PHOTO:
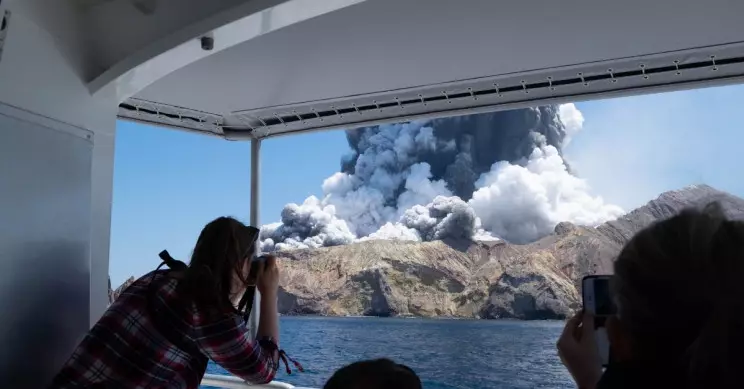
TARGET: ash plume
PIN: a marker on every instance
(494, 175)
(457, 149)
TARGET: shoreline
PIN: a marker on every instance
(432, 318)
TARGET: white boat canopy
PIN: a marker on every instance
(252, 69)
(360, 62)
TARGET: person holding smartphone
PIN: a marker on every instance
(678, 319)
(164, 328)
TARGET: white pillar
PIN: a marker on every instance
(255, 180)
(255, 220)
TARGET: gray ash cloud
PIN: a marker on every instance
(461, 148)
(497, 174)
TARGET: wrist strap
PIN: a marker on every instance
(268, 343)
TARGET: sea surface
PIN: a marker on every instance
(448, 354)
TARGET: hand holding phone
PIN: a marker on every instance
(595, 292)
(577, 349)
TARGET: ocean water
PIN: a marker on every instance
(446, 354)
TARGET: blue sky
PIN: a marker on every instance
(168, 184)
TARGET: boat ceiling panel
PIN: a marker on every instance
(452, 57)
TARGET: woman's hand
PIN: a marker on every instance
(577, 349)
(268, 276)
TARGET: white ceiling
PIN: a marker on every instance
(87, 4)
(380, 49)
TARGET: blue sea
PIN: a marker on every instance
(447, 354)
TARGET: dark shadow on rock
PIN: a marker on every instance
(379, 304)
(291, 304)
(459, 244)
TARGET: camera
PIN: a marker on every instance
(255, 262)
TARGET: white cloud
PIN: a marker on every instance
(572, 119)
(523, 203)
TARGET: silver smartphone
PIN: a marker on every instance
(595, 292)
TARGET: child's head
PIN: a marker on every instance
(374, 374)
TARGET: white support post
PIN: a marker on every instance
(255, 220)
(255, 180)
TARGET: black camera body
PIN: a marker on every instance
(255, 262)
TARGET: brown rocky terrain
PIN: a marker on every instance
(445, 279)
(465, 279)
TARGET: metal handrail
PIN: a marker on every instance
(230, 382)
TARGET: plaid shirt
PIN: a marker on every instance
(125, 349)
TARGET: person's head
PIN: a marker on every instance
(679, 290)
(220, 263)
(374, 374)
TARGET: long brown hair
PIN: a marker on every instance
(219, 255)
(679, 285)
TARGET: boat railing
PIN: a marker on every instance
(231, 382)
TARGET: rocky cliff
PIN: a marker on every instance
(539, 280)
(114, 294)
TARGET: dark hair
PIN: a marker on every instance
(219, 255)
(374, 374)
(679, 285)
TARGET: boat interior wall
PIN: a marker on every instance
(38, 75)
(45, 225)
(380, 50)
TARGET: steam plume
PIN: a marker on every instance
(470, 177)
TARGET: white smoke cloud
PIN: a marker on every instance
(363, 208)
(367, 199)
(394, 231)
(523, 203)
(424, 181)
(572, 120)
(419, 187)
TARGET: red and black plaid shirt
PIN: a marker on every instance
(128, 349)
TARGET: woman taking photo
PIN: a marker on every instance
(164, 328)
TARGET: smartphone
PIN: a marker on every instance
(595, 291)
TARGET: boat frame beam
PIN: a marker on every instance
(255, 220)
